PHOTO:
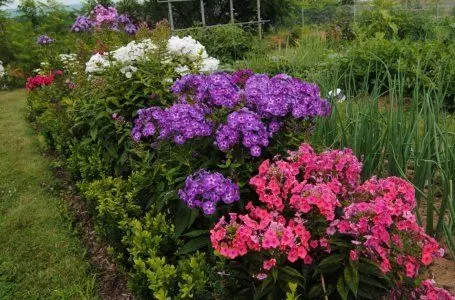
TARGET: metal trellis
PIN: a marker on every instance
(259, 21)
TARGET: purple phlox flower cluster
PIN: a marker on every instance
(180, 122)
(255, 105)
(190, 88)
(143, 124)
(283, 94)
(216, 89)
(44, 40)
(81, 24)
(307, 100)
(185, 121)
(222, 91)
(130, 28)
(128, 25)
(104, 16)
(241, 76)
(205, 189)
(243, 126)
(124, 19)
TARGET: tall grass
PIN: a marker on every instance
(399, 134)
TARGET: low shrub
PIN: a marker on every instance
(228, 42)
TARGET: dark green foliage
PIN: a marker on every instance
(227, 43)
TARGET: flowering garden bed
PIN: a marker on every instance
(203, 181)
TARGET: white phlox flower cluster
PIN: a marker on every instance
(133, 51)
(187, 50)
(128, 71)
(124, 57)
(69, 62)
(97, 63)
(185, 54)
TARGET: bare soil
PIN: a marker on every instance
(111, 278)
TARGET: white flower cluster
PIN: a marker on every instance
(2, 70)
(123, 57)
(187, 50)
(185, 54)
(69, 62)
(133, 51)
(68, 58)
(97, 63)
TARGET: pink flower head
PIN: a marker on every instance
(269, 264)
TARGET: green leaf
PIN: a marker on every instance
(193, 216)
(194, 245)
(366, 280)
(351, 277)
(368, 294)
(195, 233)
(182, 218)
(93, 133)
(342, 289)
(315, 292)
(329, 265)
(274, 275)
(291, 271)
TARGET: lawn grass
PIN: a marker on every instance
(40, 255)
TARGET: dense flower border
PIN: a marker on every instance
(311, 198)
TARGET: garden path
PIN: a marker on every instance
(41, 257)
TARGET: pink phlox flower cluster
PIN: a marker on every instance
(265, 231)
(428, 291)
(385, 227)
(425, 291)
(41, 80)
(375, 216)
(306, 180)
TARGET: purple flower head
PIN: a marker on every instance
(144, 125)
(130, 28)
(81, 24)
(185, 122)
(282, 94)
(270, 97)
(241, 76)
(243, 126)
(205, 189)
(307, 101)
(190, 88)
(179, 122)
(124, 19)
(273, 127)
(44, 40)
(222, 91)
(104, 15)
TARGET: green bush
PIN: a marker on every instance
(227, 42)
